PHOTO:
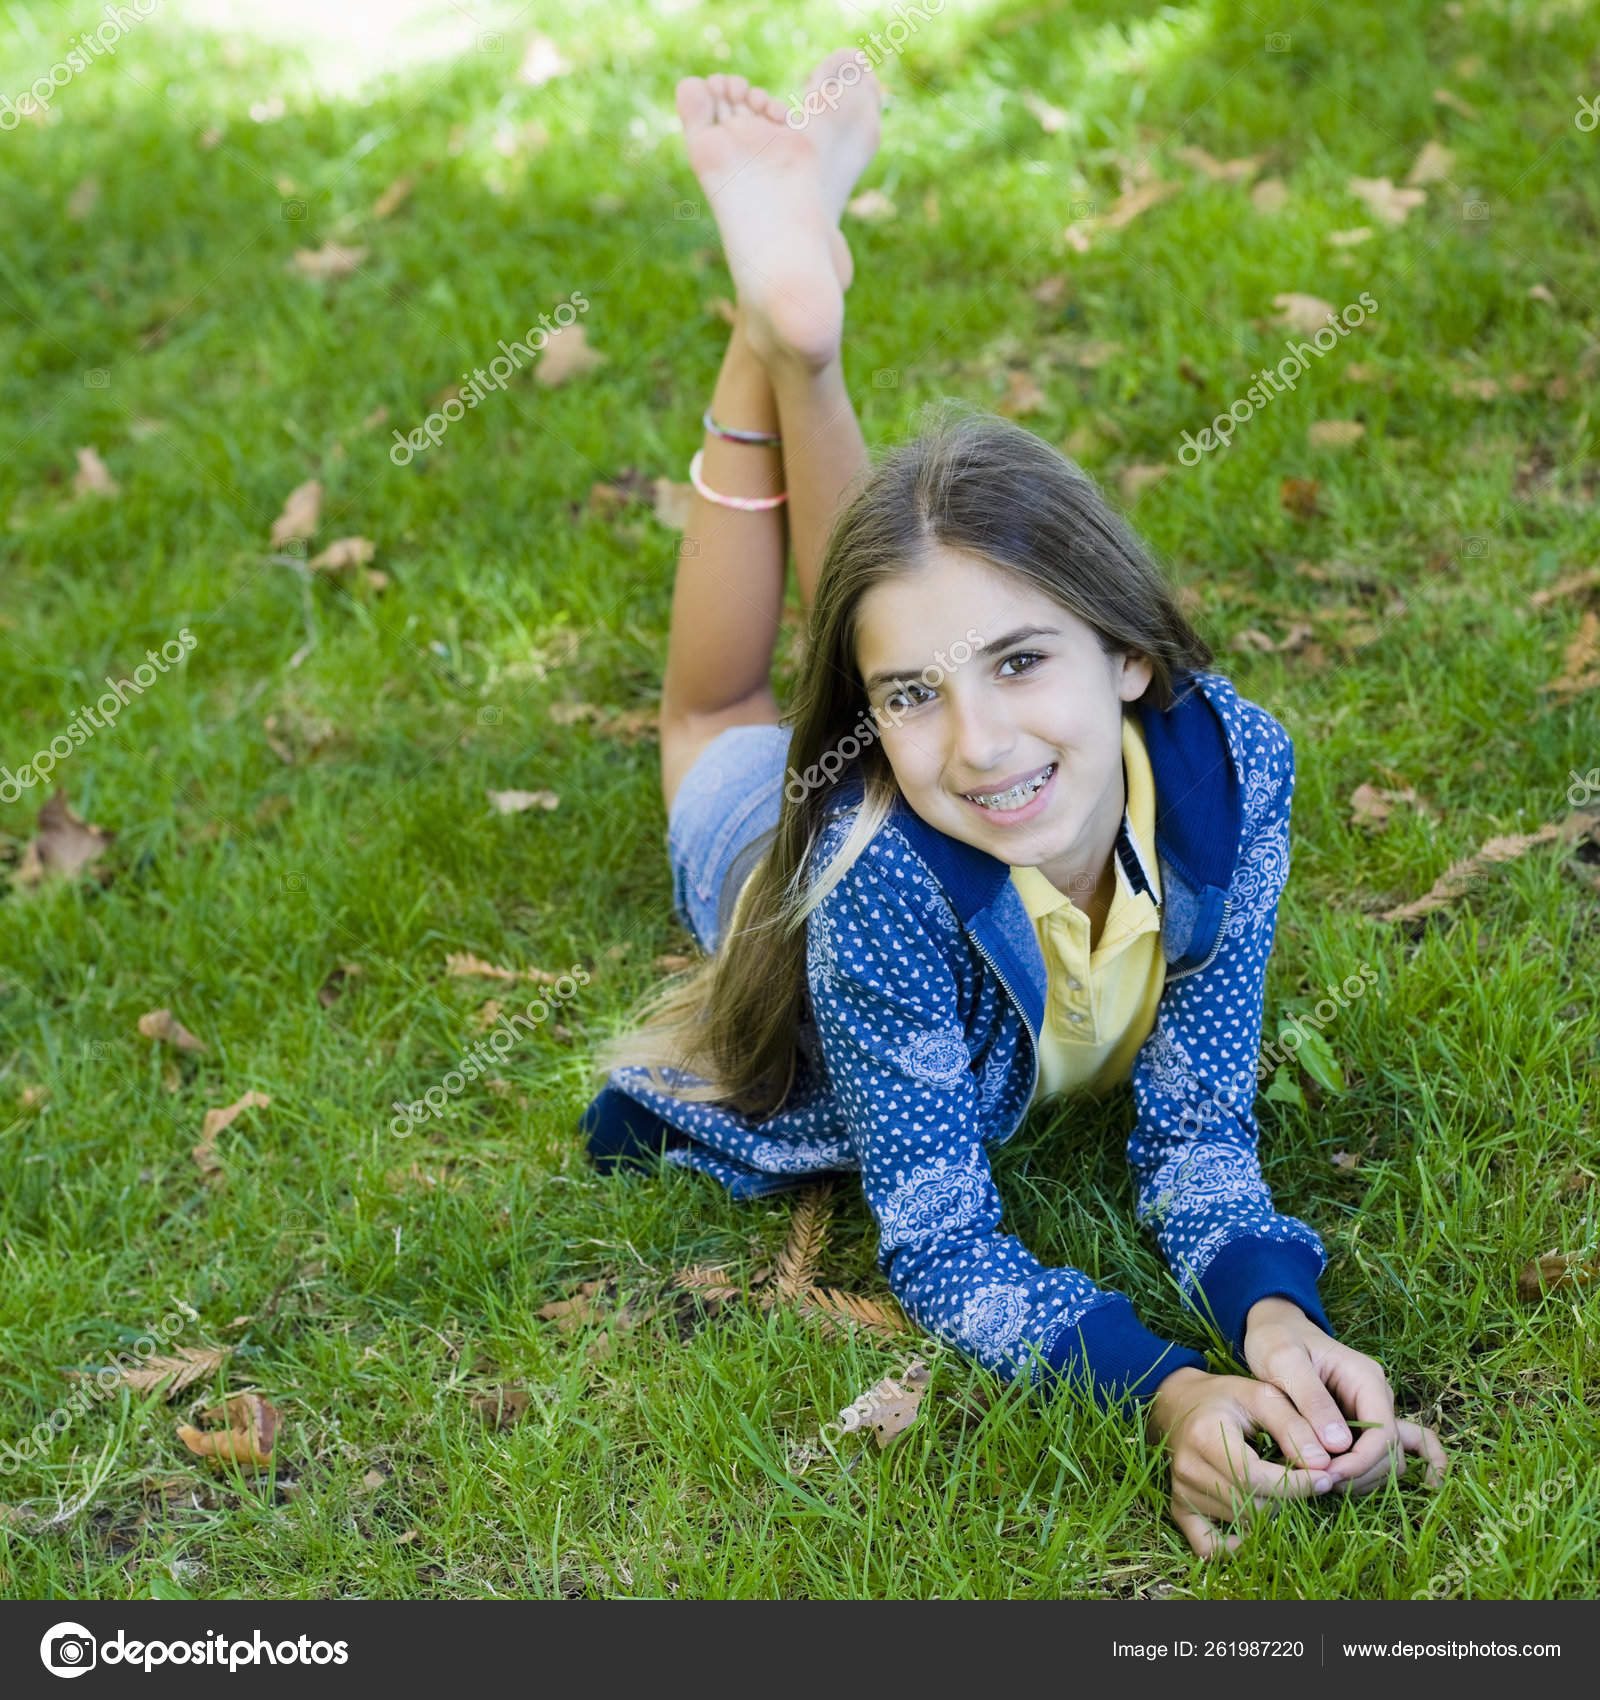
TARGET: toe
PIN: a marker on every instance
(738, 87)
(759, 100)
(696, 106)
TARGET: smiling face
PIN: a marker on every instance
(1036, 699)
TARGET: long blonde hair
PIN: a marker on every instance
(970, 481)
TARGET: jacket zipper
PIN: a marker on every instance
(1222, 933)
(1034, 1083)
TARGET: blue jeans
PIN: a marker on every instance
(722, 819)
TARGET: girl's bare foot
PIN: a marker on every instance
(777, 192)
(847, 129)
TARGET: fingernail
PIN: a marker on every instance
(1336, 1434)
(1323, 1483)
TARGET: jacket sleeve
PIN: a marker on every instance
(1193, 1146)
(885, 1000)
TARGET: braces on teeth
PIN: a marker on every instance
(1016, 795)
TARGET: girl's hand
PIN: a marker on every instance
(1217, 1475)
(1285, 1348)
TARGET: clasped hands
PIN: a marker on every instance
(1306, 1392)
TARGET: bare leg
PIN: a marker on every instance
(777, 194)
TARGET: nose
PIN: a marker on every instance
(981, 737)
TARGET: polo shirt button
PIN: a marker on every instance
(1074, 985)
(1076, 1015)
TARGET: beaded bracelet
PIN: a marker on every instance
(749, 504)
(739, 436)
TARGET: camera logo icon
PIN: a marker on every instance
(67, 1649)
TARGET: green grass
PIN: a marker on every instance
(378, 1304)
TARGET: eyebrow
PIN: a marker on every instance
(895, 676)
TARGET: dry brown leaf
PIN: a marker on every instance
(1303, 314)
(1128, 207)
(393, 198)
(1335, 433)
(162, 1026)
(1553, 1272)
(1580, 653)
(487, 1014)
(1023, 396)
(65, 843)
(1371, 805)
(1433, 165)
(1051, 118)
(1569, 585)
(1459, 876)
(567, 354)
(796, 1268)
(216, 1121)
(298, 521)
(343, 552)
(1269, 196)
(1298, 496)
(373, 1480)
(187, 1364)
(1448, 97)
(329, 261)
(1050, 291)
(171, 1078)
(501, 1407)
(888, 1407)
(1221, 170)
(1132, 481)
(253, 1429)
(1093, 352)
(673, 503)
(1345, 1160)
(709, 1281)
(1384, 201)
(1539, 292)
(463, 965)
(873, 205)
(82, 201)
(836, 1309)
(541, 62)
(1481, 389)
(93, 477)
(516, 802)
(1349, 238)
(671, 963)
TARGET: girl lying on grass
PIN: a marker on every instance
(1015, 842)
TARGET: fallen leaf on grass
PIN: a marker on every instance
(1448, 97)
(1133, 481)
(393, 198)
(1433, 165)
(1345, 1160)
(1335, 433)
(487, 1015)
(1371, 805)
(329, 261)
(1460, 875)
(673, 503)
(1553, 1272)
(186, 1365)
(672, 963)
(501, 1407)
(888, 1407)
(1023, 396)
(1270, 195)
(838, 1310)
(1221, 170)
(216, 1121)
(516, 802)
(1303, 313)
(82, 201)
(341, 553)
(1349, 238)
(253, 1428)
(463, 965)
(1391, 205)
(710, 1282)
(1539, 292)
(65, 844)
(1580, 653)
(298, 521)
(567, 354)
(93, 477)
(1298, 496)
(797, 1264)
(162, 1026)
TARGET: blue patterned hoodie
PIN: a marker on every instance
(927, 992)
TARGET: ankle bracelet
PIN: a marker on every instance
(739, 436)
(748, 504)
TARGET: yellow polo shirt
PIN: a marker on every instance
(1101, 1005)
